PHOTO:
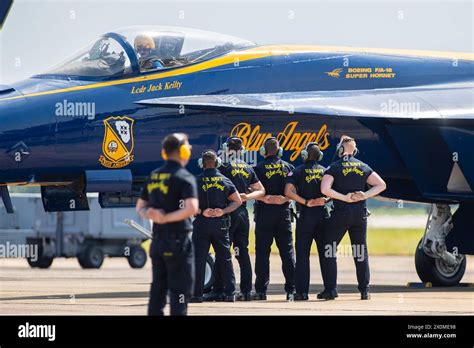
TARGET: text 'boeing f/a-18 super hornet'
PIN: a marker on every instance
(95, 122)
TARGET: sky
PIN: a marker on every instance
(38, 33)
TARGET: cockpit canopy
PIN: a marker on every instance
(143, 49)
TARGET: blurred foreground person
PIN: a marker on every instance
(169, 199)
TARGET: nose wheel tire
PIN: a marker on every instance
(436, 271)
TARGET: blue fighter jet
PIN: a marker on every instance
(94, 123)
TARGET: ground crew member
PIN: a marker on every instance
(218, 197)
(303, 186)
(169, 199)
(272, 220)
(249, 187)
(345, 181)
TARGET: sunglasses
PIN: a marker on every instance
(143, 49)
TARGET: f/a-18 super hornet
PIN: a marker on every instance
(95, 122)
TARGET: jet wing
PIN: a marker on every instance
(436, 101)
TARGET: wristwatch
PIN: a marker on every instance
(305, 202)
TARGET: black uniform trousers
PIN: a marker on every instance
(173, 270)
(239, 238)
(309, 227)
(273, 222)
(352, 218)
(215, 232)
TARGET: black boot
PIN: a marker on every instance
(229, 298)
(214, 296)
(328, 295)
(365, 295)
(196, 300)
(290, 296)
(244, 296)
(301, 297)
(259, 296)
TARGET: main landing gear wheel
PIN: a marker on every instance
(436, 271)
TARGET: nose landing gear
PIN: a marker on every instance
(433, 262)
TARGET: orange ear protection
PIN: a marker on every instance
(184, 151)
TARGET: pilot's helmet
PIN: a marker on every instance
(144, 44)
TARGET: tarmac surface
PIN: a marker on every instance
(117, 289)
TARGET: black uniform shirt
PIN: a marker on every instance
(167, 188)
(241, 174)
(272, 172)
(307, 179)
(214, 189)
(350, 175)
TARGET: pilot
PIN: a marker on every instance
(303, 186)
(218, 197)
(169, 46)
(145, 48)
(169, 199)
(169, 49)
(345, 181)
(272, 220)
(249, 187)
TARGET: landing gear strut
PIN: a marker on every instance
(433, 262)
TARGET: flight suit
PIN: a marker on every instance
(242, 176)
(306, 178)
(171, 249)
(213, 190)
(273, 222)
(350, 175)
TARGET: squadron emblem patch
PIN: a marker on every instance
(117, 146)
